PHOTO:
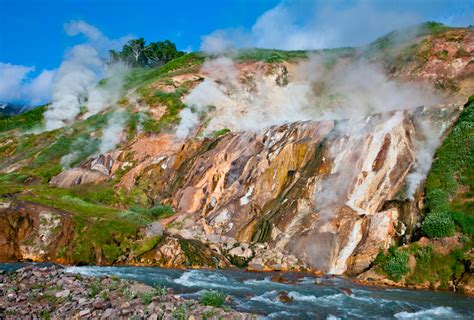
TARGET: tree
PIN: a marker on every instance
(159, 53)
(136, 54)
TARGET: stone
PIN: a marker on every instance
(284, 297)
(108, 314)
(154, 229)
(98, 304)
(62, 294)
(11, 297)
(84, 312)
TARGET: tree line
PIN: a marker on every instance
(136, 53)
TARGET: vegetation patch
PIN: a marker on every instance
(25, 121)
(450, 183)
(438, 225)
(213, 298)
(436, 269)
(394, 263)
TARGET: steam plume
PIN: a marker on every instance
(75, 82)
(311, 92)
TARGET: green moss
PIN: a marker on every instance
(262, 231)
(145, 245)
(219, 133)
(197, 253)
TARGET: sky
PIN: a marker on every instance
(34, 40)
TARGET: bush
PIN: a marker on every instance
(146, 297)
(438, 225)
(213, 298)
(396, 266)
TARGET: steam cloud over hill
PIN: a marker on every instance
(75, 84)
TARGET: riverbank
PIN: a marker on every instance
(50, 292)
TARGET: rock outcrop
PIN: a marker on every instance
(315, 193)
(30, 231)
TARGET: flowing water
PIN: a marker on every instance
(313, 298)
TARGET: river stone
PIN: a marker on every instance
(154, 229)
(62, 294)
(84, 312)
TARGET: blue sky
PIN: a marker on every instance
(31, 32)
(33, 40)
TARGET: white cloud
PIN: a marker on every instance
(298, 25)
(17, 85)
(73, 28)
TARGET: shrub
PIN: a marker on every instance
(160, 291)
(396, 265)
(438, 225)
(146, 297)
(213, 298)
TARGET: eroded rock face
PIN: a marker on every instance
(95, 170)
(312, 190)
(30, 231)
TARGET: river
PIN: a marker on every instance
(313, 297)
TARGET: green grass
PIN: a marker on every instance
(213, 298)
(450, 183)
(270, 55)
(147, 215)
(219, 133)
(43, 152)
(172, 102)
(140, 77)
(436, 268)
(25, 121)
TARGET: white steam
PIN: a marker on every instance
(75, 82)
(112, 133)
(425, 148)
(310, 91)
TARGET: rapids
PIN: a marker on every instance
(313, 297)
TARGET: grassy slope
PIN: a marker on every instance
(104, 225)
(450, 184)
